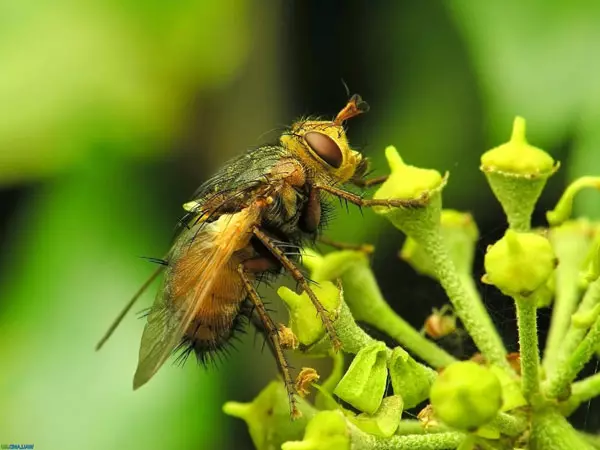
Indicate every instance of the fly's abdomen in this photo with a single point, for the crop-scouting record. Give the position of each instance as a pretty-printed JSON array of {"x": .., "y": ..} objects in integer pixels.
[{"x": 217, "y": 318}]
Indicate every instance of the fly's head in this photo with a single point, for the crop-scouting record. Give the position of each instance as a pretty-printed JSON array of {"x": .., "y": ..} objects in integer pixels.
[{"x": 323, "y": 146}]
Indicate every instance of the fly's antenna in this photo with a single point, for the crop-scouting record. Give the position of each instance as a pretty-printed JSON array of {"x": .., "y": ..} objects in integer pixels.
[
  {"x": 355, "y": 106},
  {"x": 347, "y": 89},
  {"x": 127, "y": 307}
]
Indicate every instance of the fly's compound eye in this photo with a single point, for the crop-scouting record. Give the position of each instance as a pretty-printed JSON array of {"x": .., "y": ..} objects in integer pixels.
[{"x": 325, "y": 148}]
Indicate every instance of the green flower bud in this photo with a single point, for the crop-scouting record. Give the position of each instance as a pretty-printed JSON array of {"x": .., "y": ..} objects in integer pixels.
[
  {"x": 335, "y": 264},
  {"x": 409, "y": 379},
  {"x": 326, "y": 431},
  {"x": 519, "y": 263},
  {"x": 466, "y": 396},
  {"x": 517, "y": 173},
  {"x": 385, "y": 421},
  {"x": 363, "y": 384},
  {"x": 407, "y": 182},
  {"x": 268, "y": 417},
  {"x": 517, "y": 157},
  {"x": 564, "y": 207},
  {"x": 305, "y": 323},
  {"x": 459, "y": 232},
  {"x": 365, "y": 301}
]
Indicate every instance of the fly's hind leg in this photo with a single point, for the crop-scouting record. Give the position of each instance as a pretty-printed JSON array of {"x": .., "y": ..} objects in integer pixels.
[
  {"x": 270, "y": 330},
  {"x": 297, "y": 275}
]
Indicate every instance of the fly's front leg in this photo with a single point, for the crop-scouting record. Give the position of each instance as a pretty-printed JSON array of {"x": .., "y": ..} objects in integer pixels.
[
  {"x": 365, "y": 248},
  {"x": 297, "y": 275},
  {"x": 369, "y": 203},
  {"x": 273, "y": 336},
  {"x": 362, "y": 183}
]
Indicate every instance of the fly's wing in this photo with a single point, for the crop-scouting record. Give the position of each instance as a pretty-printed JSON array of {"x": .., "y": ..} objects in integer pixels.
[{"x": 188, "y": 282}]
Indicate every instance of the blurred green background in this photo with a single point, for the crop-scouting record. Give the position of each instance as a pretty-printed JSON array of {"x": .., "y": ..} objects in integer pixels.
[{"x": 112, "y": 112}]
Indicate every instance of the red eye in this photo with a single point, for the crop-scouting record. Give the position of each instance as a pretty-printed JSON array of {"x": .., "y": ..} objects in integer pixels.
[{"x": 325, "y": 148}]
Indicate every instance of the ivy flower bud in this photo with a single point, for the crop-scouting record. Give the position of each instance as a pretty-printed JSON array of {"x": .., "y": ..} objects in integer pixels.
[
  {"x": 414, "y": 185},
  {"x": 517, "y": 173},
  {"x": 409, "y": 379},
  {"x": 305, "y": 323},
  {"x": 466, "y": 396},
  {"x": 459, "y": 232},
  {"x": 519, "y": 263},
  {"x": 326, "y": 431},
  {"x": 385, "y": 421},
  {"x": 268, "y": 417},
  {"x": 407, "y": 182},
  {"x": 364, "y": 383}
]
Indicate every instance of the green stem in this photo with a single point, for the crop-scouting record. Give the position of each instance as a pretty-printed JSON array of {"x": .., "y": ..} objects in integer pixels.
[
  {"x": 575, "y": 333},
  {"x": 468, "y": 307},
  {"x": 408, "y": 426},
  {"x": 519, "y": 221},
  {"x": 528, "y": 345},
  {"x": 570, "y": 245},
  {"x": 352, "y": 336},
  {"x": 508, "y": 424},
  {"x": 468, "y": 443},
  {"x": 436, "y": 441},
  {"x": 591, "y": 439},
  {"x": 551, "y": 431},
  {"x": 581, "y": 392},
  {"x": 367, "y": 304},
  {"x": 557, "y": 385},
  {"x": 586, "y": 389}
]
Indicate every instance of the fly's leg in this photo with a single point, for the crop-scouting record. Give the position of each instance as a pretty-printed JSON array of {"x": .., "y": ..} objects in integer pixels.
[
  {"x": 273, "y": 338},
  {"x": 370, "y": 182},
  {"x": 365, "y": 248},
  {"x": 297, "y": 275},
  {"x": 368, "y": 203}
]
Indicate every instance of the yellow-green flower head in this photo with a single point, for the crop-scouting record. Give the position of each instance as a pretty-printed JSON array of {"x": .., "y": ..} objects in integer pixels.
[
  {"x": 326, "y": 431},
  {"x": 407, "y": 182},
  {"x": 304, "y": 320},
  {"x": 517, "y": 157},
  {"x": 519, "y": 263},
  {"x": 268, "y": 417},
  {"x": 466, "y": 396}
]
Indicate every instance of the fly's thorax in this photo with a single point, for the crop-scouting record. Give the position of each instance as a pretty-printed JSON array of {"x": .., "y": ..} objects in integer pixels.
[{"x": 322, "y": 147}]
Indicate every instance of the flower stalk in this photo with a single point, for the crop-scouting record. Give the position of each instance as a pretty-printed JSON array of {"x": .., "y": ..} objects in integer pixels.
[
  {"x": 570, "y": 242},
  {"x": 528, "y": 345}
]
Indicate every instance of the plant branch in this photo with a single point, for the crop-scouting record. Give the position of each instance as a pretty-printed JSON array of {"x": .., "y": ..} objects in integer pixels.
[
  {"x": 570, "y": 245},
  {"x": 467, "y": 306},
  {"x": 557, "y": 385},
  {"x": 528, "y": 345}
]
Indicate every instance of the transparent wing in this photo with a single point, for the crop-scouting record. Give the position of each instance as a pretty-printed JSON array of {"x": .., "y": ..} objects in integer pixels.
[{"x": 188, "y": 281}]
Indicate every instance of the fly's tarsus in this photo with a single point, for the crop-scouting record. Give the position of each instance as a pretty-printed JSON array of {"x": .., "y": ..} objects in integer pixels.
[
  {"x": 301, "y": 280},
  {"x": 273, "y": 338}
]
